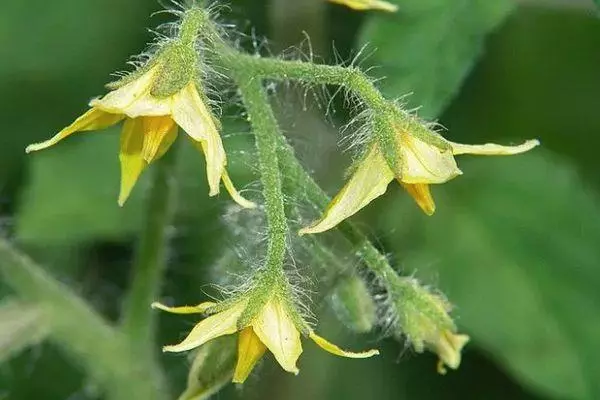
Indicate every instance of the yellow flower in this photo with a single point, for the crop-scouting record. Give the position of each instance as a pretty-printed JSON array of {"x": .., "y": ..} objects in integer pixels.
[
  {"x": 362, "y": 5},
  {"x": 448, "y": 347},
  {"x": 150, "y": 128},
  {"x": 424, "y": 159},
  {"x": 272, "y": 328}
]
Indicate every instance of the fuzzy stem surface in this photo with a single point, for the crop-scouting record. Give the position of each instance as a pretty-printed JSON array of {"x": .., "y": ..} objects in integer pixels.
[{"x": 266, "y": 133}]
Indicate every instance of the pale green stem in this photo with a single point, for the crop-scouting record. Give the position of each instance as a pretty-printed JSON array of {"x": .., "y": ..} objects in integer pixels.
[
  {"x": 139, "y": 319},
  {"x": 103, "y": 351}
]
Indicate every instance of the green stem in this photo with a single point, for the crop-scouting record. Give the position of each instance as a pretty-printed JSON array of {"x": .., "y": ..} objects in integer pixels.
[
  {"x": 257, "y": 68},
  {"x": 102, "y": 350},
  {"x": 191, "y": 24},
  {"x": 266, "y": 132},
  {"x": 351, "y": 78},
  {"x": 150, "y": 261}
]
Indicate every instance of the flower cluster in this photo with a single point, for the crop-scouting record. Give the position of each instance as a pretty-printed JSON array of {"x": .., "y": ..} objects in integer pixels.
[{"x": 167, "y": 94}]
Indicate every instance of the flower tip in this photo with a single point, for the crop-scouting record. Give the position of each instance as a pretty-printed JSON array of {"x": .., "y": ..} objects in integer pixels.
[
  {"x": 250, "y": 204},
  {"x": 372, "y": 352},
  {"x": 386, "y": 6},
  {"x": 441, "y": 369},
  {"x": 245, "y": 203},
  {"x": 311, "y": 229}
]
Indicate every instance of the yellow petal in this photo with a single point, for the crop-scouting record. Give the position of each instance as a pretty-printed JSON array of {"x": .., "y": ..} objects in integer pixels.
[
  {"x": 250, "y": 350},
  {"x": 130, "y": 156},
  {"x": 422, "y": 195},
  {"x": 93, "y": 119},
  {"x": 235, "y": 195},
  {"x": 223, "y": 323},
  {"x": 278, "y": 332},
  {"x": 159, "y": 135},
  {"x": 191, "y": 114},
  {"x": 134, "y": 99},
  {"x": 369, "y": 181},
  {"x": 490, "y": 149},
  {"x": 423, "y": 162},
  {"x": 333, "y": 349},
  {"x": 448, "y": 348},
  {"x": 197, "y": 309},
  {"x": 368, "y": 5}
]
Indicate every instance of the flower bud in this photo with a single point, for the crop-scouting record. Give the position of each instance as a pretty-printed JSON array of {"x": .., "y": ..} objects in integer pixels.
[
  {"x": 423, "y": 318},
  {"x": 353, "y": 304}
]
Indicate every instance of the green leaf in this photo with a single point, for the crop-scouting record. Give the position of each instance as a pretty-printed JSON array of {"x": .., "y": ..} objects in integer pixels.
[
  {"x": 22, "y": 326},
  {"x": 72, "y": 193},
  {"x": 47, "y": 38},
  {"x": 514, "y": 244},
  {"x": 428, "y": 47}
]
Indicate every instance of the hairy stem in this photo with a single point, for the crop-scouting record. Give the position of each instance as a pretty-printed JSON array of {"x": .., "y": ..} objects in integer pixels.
[
  {"x": 102, "y": 350},
  {"x": 266, "y": 132},
  {"x": 150, "y": 261},
  {"x": 355, "y": 81}
]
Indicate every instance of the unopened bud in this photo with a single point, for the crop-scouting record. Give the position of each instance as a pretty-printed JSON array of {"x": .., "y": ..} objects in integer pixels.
[
  {"x": 423, "y": 318},
  {"x": 353, "y": 304}
]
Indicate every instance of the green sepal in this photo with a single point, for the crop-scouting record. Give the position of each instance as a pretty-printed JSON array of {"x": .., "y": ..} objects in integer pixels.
[
  {"x": 423, "y": 131},
  {"x": 419, "y": 313},
  {"x": 178, "y": 63}
]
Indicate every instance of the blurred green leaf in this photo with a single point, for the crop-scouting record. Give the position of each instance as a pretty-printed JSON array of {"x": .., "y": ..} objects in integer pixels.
[
  {"x": 21, "y": 326},
  {"x": 514, "y": 246},
  {"x": 72, "y": 193},
  {"x": 429, "y": 46},
  {"x": 49, "y": 38}
]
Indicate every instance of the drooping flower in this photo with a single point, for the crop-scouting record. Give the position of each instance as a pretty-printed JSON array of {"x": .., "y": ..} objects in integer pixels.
[
  {"x": 362, "y": 5},
  {"x": 423, "y": 158},
  {"x": 152, "y": 116},
  {"x": 274, "y": 326},
  {"x": 422, "y": 317}
]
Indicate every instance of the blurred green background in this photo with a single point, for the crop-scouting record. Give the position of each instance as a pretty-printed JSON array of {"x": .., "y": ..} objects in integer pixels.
[{"x": 514, "y": 243}]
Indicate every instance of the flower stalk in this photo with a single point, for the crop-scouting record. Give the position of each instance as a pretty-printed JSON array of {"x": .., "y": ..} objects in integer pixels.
[
  {"x": 266, "y": 132},
  {"x": 151, "y": 256}
]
